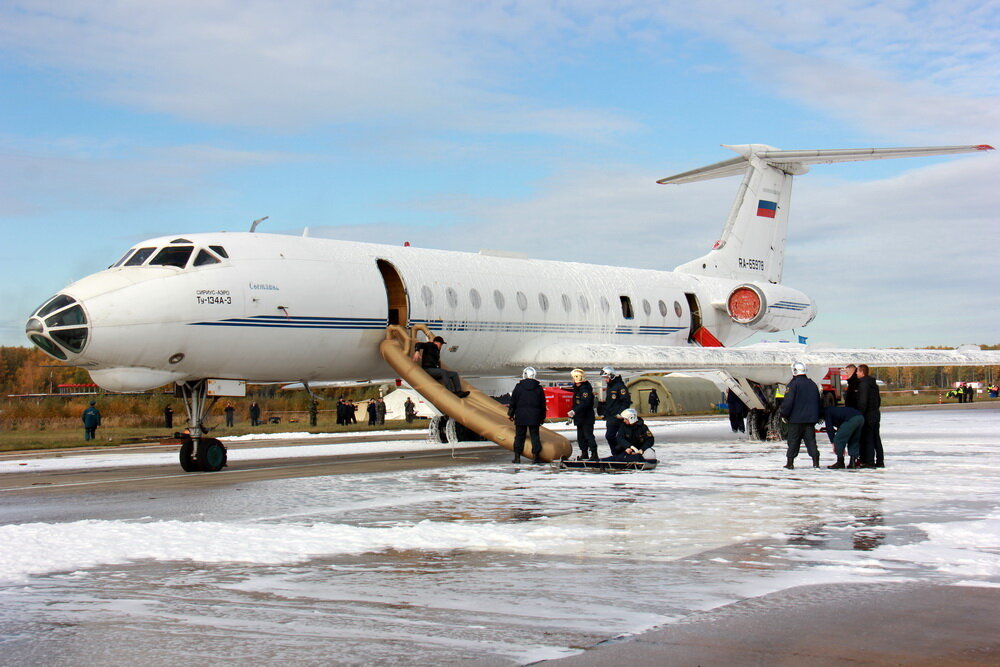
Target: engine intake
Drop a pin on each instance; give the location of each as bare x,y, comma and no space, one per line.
766,307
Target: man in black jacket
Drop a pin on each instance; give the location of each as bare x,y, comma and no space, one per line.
635,441
851,392
583,414
527,411
616,399
801,407
869,404
428,355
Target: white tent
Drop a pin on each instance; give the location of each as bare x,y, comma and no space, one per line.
394,408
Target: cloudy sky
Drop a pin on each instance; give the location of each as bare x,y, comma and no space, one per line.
537,127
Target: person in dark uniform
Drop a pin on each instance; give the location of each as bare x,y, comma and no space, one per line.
380,411
616,399
801,407
428,355
583,414
635,440
851,392
313,412
254,414
843,427
527,411
869,404
91,420
654,402
372,412
409,408
352,412
168,417
230,413
737,412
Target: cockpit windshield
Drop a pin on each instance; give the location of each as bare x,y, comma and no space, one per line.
177,255
173,255
140,256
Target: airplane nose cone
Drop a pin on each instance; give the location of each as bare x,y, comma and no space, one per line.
59,327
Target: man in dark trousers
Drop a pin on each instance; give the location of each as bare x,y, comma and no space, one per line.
91,420
801,407
410,409
737,412
843,427
428,355
635,441
583,414
527,411
869,404
616,399
254,414
230,413
851,392
372,412
654,402
168,417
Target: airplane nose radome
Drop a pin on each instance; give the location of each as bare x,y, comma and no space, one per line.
59,327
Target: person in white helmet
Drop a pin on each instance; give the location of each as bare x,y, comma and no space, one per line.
635,440
527,411
616,399
802,408
583,414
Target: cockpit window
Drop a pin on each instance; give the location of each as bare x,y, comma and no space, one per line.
205,257
140,256
53,305
48,346
173,256
124,257
67,317
219,250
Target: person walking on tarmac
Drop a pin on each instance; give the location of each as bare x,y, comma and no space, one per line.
617,399
869,403
635,440
428,355
801,407
583,414
91,420
654,402
527,411
843,427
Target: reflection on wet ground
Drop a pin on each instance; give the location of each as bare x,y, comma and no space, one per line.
487,561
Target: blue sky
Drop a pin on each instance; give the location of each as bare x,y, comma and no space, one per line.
536,127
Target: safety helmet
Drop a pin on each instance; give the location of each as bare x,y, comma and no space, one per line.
629,416
577,374
798,368
528,373
608,372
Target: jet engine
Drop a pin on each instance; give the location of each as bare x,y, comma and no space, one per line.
767,307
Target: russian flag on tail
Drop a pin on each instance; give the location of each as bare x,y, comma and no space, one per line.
766,209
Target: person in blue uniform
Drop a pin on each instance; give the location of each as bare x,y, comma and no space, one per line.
428,355
616,399
583,414
635,440
91,420
843,427
801,408
527,411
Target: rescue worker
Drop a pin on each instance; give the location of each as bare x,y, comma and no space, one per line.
654,402
527,411
801,408
372,412
230,412
428,355
737,412
313,412
851,392
254,414
583,414
616,399
168,417
869,404
91,420
635,440
380,412
410,410
843,427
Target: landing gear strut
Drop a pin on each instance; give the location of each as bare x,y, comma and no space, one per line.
199,453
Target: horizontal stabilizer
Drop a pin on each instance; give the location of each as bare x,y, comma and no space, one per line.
796,161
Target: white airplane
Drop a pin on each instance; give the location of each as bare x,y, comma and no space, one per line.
263,308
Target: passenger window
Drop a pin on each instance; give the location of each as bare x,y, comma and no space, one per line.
627,311
427,296
663,308
205,257
173,256
475,299
646,308
219,250
140,256
522,301
498,299
584,304
124,257
567,304
543,302
452,297
605,306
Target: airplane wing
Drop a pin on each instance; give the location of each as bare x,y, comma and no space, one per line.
742,360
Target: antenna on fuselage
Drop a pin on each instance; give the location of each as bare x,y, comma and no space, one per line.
253,227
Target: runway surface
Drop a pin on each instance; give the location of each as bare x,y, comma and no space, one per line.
364,557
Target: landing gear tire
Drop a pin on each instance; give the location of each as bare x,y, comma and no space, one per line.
188,462
757,425
212,455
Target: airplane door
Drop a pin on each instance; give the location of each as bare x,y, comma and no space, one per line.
397,300
695,316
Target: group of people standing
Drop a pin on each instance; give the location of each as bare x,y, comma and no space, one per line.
376,412
853,427
627,435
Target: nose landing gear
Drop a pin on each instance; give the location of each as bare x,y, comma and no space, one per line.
199,453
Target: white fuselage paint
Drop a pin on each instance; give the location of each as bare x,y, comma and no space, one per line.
285,308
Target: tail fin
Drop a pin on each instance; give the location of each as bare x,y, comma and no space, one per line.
752,246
